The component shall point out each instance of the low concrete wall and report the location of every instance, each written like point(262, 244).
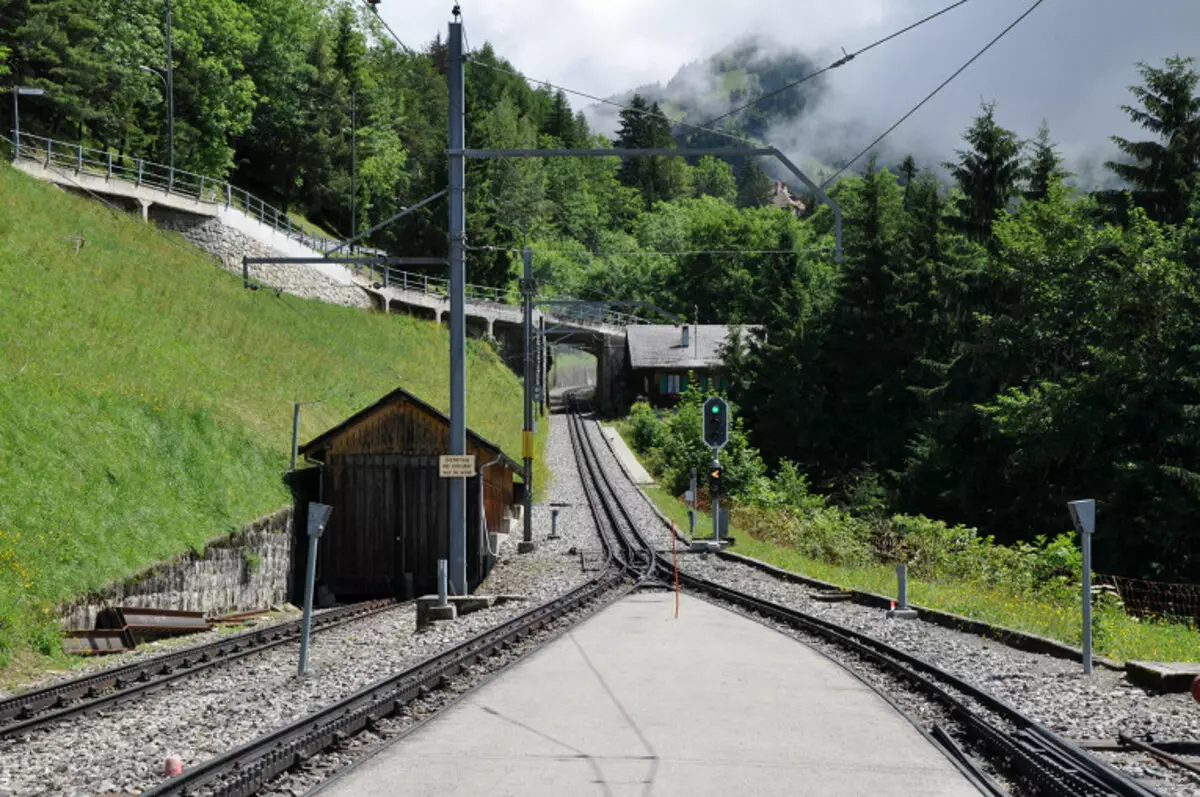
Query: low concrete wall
point(244, 571)
point(327, 283)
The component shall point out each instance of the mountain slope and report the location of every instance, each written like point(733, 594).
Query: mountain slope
point(146, 397)
point(748, 69)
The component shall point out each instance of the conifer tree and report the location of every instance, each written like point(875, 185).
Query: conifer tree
point(1163, 173)
point(987, 174)
point(1045, 166)
point(753, 187)
point(645, 127)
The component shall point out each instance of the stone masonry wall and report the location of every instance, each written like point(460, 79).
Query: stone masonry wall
point(230, 246)
point(244, 571)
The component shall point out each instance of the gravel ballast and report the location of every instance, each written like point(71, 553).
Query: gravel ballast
point(1051, 691)
point(122, 750)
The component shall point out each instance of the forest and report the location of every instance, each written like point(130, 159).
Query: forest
point(995, 342)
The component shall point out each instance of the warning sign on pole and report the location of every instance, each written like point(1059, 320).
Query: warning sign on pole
point(456, 466)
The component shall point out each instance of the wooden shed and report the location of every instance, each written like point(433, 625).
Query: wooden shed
point(390, 525)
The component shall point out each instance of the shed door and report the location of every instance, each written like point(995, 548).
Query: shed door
point(358, 550)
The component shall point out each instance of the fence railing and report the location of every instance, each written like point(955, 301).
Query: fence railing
point(390, 277)
point(76, 158)
point(1140, 598)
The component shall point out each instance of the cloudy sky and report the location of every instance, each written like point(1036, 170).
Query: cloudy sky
point(1069, 62)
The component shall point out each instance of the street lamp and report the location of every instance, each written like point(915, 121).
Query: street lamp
point(170, 115)
point(17, 92)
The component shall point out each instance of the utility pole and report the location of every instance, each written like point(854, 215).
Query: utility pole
point(526, 545)
point(458, 321)
point(353, 165)
point(543, 350)
point(170, 102)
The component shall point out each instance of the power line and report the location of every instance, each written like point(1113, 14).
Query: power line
point(934, 93)
point(388, 27)
point(603, 101)
point(840, 62)
point(657, 252)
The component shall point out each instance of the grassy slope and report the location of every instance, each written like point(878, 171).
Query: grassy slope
point(1115, 634)
point(146, 398)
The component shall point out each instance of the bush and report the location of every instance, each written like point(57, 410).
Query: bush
point(782, 510)
point(826, 534)
point(647, 429)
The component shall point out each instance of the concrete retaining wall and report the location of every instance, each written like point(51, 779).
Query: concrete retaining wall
point(244, 571)
point(229, 244)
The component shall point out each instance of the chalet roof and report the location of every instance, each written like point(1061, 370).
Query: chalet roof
point(661, 346)
point(318, 445)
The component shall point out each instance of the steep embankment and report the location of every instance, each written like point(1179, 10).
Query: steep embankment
point(146, 398)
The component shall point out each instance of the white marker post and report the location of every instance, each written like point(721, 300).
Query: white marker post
point(1083, 515)
point(318, 518)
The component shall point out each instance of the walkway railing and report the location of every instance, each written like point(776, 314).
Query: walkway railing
point(64, 156)
point(440, 286)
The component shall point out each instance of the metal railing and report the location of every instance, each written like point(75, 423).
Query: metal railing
point(390, 277)
point(64, 156)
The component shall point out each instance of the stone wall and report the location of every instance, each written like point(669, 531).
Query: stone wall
point(244, 571)
point(230, 246)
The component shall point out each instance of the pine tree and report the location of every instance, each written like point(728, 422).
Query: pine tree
point(987, 174)
point(1044, 167)
point(1163, 173)
point(560, 122)
point(908, 171)
point(644, 127)
point(753, 186)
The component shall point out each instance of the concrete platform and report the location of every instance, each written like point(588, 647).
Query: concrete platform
point(1163, 676)
point(621, 706)
point(639, 474)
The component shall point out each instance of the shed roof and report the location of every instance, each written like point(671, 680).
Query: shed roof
point(318, 445)
point(661, 346)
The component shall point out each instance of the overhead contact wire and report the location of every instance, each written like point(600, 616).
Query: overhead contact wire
point(933, 93)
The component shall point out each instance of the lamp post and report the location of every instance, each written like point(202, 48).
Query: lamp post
point(170, 115)
point(17, 92)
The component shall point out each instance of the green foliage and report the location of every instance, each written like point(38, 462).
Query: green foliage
point(987, 174)
point(659, 179)
point(985, 358)
point(753, 186)
point(1163, 174)
point(713, 177)
point(1044, 167)
point(146, 398)
point(253, 561)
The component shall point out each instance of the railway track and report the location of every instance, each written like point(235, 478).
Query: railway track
point(73, 698)
point(1031, 756)
point(1040, 761)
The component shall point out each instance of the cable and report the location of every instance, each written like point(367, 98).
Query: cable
point(680, 253)
point(933, 93)
point(840, 62)
point(594, 98)
point(388, 27)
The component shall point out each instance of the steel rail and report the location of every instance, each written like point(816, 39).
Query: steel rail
point(31, 710)
point(245, 770)
point(1159, 753)
point(1033, 754)
point(640, 560)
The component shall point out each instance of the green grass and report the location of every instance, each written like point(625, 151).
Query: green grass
point(1115, 634)
point(146, 398)
point(299, 220)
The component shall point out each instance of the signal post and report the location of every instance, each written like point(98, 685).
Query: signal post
point(716, 435)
